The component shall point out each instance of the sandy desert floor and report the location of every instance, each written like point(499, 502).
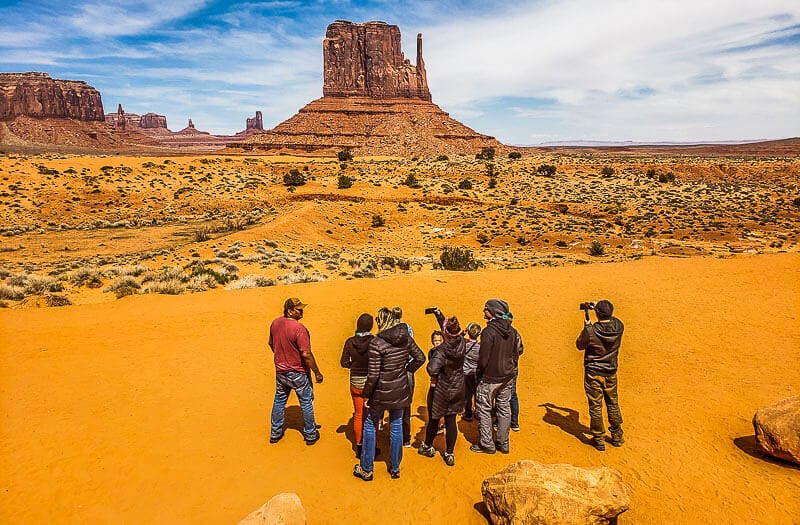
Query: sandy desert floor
point(154, 408)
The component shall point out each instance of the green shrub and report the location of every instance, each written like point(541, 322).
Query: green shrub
point(492, 182)
point(294, 178)
point(123, 286)
point(345, 182)
point(465, 184)
point(515, 155)
point(378, 221)
point(607, 171)
point(411, 181)
point(651, 173)
point(561, 244)
point(546, 170)
point(459, 259)
point(344, 155)
point(485, 154)
point(442, 158)
point(596, 249)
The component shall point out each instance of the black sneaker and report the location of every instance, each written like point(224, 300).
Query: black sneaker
point(617, 441)
point(426, 450)
point(406, 444)
point(361, 473)
point(314, 439)
point(599, 443)
point(500, 448)
point(480, 449)
point(394, 475)
point(275, 439)
point(449, 459)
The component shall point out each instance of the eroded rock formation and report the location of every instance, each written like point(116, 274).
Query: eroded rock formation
point(255, 123)
point(153, 121)
point(38, 95)
point(365, 60)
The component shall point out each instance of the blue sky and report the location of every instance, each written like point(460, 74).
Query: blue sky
point(525, 72)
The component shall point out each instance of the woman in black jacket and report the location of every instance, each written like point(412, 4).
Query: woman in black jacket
point(392, 354)
point(446, 367)
point(355, 356)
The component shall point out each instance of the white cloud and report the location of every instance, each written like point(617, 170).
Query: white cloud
point(130, 17)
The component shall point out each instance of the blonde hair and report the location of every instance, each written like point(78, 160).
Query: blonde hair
point(386, 319)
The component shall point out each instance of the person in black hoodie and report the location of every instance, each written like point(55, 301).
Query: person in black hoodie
point(497, 362)
point(392, 354)
point(600, 342)
point(446, 368)
point(355, 356)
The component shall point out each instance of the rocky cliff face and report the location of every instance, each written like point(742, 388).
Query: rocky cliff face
point(153, 121)
point(38, 95)
point(365, 60)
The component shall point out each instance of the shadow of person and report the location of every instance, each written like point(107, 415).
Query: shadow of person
point(419, 437)
point(348, 431)
point(483, 510)
point(293, 417)
point(749, 446)
point(567, 420)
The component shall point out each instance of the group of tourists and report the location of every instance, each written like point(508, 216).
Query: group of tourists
point(473, 372)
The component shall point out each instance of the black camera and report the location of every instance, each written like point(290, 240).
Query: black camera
point(431, 310)
point(586, 306)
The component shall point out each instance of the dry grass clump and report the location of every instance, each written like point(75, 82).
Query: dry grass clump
point(173, 287)
point(57, 300)
point(201, 282)
point(121, 271)
point(88, 277)
point(302, 277)
point(124, 286)
point(12, 293)
point(4, 273)
point(170, 280)
point(253, 280)
point(35, 284)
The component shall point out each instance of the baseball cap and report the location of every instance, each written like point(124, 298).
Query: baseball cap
point(294, 302)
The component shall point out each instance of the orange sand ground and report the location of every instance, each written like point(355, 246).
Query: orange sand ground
point(153, 409)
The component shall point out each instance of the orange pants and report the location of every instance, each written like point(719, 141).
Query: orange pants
point(358, 412)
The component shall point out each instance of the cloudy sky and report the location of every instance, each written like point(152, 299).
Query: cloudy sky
point(524, 71)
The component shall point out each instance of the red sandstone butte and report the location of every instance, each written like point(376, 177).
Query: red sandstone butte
point(38, 95)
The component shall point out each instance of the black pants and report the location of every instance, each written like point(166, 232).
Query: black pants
point(470, 384)
point(451, 431)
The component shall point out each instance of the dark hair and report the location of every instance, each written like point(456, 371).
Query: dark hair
point(453, 328)
point(435, 333)
point(604, 310)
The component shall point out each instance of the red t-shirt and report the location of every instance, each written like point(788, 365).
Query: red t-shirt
point(287, 338)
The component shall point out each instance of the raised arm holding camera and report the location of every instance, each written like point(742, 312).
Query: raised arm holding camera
point(600, 342)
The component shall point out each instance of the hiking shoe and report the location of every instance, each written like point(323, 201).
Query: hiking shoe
point(515, 428)
point(440, 430)
point(406, 444)
point(480, 449)
point(449, 459)
point(394, 475)
point(310, 441)
point(500, 448)
point(275, 439)
point(361, 473)
point(617, 441)
point(426, 450)
point(599, 443)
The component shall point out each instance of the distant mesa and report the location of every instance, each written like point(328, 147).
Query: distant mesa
point(37, 95)
point(374, 102)
point(146, 122)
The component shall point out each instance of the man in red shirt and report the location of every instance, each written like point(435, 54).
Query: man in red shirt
point(294, 363)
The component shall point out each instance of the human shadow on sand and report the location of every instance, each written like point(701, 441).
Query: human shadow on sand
point(749, 446)
point(567, 420)
point(293, 419)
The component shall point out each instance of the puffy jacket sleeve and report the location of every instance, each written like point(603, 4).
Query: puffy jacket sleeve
point(416, 357)
point(583, 338)
point(345, 360)
point(436, 363)
point(374, 367)
point(439, 319)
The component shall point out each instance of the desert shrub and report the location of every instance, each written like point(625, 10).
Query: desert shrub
point(88, 277)
point(485, 154)
point(167, 274)
point(490, 171)
point(795, 202)
point(482, 238)
point(442, 158)
point(457, 258)
point(12, 293)
point(561, 244)
point(411, 181)
point(492, 183)
point(515, 155)
point(57, 300)
point(378, 221)
point(202, 233)
point(201, 283)
point(596, 249)
point(4, 273)
point(123, 286)
point(3, 304)
point(607, 171)
point(651, 173)
point(251, 281)
point(344, 155)
point(666, 177)
point(199, 269)
point(546, 170)
point(514, 201)
point(120, 271)
point(465, 184)
point(294, 178)
point(168, 287)
point(39, 284)
point(345, 182)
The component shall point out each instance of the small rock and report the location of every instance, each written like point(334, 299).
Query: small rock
point(528, 493)
point(778, 429)
point(282, 509)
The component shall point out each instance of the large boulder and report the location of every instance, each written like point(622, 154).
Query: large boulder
point(778, 429)
point(283, 509)
point(528, 492)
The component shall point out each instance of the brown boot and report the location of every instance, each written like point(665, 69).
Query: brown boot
point(599, 443)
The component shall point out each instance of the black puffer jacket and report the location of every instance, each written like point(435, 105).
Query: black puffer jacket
point(497, 360)
point(446, 364)
point(355, 355)
point(392, 354)
point(601, 342)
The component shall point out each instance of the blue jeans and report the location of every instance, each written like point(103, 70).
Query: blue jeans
point(285, 382)
point(395, 439)
point(514, 402)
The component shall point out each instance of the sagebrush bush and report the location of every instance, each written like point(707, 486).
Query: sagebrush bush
point(465, 184)
point(253, 280)
point(201, 283)
point(40, 284)
point(167, 274)
point(168, 287)
point(596, 249)
point(345, 182)
point(12, 293)
point(460, 259)
point(121, 271)
point(88, 277)
point(294, 178)
point(123, 286)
